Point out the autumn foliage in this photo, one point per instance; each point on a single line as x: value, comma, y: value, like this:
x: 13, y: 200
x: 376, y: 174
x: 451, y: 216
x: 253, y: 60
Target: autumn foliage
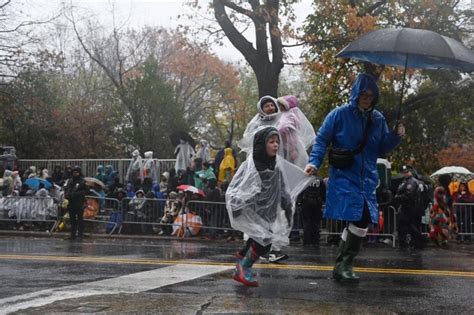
x: 458, y: 155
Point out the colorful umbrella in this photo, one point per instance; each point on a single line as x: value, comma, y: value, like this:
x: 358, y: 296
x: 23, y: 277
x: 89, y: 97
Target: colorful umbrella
x: 192, y: 189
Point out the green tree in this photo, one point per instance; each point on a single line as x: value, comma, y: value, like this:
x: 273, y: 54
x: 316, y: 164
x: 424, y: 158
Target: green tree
x: 152, y: 110
x: 43, y: 111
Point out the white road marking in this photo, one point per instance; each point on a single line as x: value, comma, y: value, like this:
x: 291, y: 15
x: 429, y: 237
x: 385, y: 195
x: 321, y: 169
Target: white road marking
x: 132, y: 283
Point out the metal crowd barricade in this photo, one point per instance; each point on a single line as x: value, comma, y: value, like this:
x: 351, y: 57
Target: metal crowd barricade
x: 426, y: 221
x: 89, y: 166
x: 464, y: 214
x: 106, y: 208
x: 330, y: 227
x: 29, y: 209
x: 213, y: 215
x: 389, y: 228
x: 143, y: 215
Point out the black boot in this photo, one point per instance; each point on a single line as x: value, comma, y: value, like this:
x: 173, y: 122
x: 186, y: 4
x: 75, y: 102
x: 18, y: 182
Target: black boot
x: 347, y: 251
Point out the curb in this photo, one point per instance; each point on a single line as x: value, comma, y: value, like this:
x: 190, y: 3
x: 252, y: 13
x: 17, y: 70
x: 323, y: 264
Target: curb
x: 91, y: 236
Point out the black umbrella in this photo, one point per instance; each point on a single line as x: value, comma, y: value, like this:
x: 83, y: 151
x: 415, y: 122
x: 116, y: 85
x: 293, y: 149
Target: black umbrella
x: 176, y: 136
x: 410, y: 48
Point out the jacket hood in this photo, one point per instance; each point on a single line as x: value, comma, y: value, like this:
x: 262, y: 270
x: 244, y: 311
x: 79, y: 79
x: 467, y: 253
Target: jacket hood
x: 289, y: 101
x: 281, y: 101
x: 362, y: 83
x: 292, y: 101
x: 260, y: 157
x: 262, y: 101
x: 136, y: 153
x: 109, y: 169
x: 77, y: 169
x: 139, y: 191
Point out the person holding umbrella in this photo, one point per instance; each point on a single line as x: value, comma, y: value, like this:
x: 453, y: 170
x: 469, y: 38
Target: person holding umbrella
x: 358, y: 135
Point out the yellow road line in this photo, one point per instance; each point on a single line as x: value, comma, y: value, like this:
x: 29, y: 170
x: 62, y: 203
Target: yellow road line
x: 149, y: 261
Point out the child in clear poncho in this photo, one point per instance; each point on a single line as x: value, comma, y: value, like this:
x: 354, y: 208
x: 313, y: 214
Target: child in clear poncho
x: 268, y: 115
x: 260, y: 199
x: 297, y: 133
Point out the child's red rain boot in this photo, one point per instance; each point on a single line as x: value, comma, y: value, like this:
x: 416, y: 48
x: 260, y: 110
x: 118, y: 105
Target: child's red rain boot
x: 239, y: 256
x: 243, y: 269
x: 244, y: 276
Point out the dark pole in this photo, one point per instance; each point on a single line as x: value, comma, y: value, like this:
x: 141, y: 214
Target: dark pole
x: 401, y: 94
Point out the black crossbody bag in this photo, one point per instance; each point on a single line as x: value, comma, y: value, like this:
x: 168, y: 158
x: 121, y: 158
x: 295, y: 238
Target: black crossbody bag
x: 344, y: 158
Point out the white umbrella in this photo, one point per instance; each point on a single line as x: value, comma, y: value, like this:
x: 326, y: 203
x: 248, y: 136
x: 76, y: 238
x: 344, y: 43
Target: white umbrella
x: 457, y: 173
x: 91, y: 181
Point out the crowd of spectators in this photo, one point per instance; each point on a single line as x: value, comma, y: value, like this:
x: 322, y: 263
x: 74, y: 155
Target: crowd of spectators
x: 157, y: 206
x: 154, y: 203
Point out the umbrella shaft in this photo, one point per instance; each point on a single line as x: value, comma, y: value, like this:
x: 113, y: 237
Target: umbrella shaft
x: 401, y: 93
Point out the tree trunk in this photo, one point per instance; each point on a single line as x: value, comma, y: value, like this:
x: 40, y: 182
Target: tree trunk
x: 265, y: 18
x: 267, y: 79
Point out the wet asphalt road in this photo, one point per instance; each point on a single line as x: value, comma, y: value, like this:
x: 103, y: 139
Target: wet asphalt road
x: 392, y: 281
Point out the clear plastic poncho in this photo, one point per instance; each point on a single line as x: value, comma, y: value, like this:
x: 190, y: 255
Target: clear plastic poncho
x: 184, y: 153
x: 149, y: 167
x: 258, y: 121
x: 259, y: 199
x: 135, y: 169
x: 204, y: 153
x: 297, y: 135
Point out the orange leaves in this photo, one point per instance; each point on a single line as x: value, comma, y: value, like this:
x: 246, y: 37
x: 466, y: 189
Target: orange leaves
x: 457, y: 154
x: 192, y: 62
x: 357, y: 25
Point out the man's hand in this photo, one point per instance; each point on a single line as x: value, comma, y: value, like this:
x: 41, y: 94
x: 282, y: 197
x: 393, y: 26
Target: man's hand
x: 310, y: 170
x: 400, y: 130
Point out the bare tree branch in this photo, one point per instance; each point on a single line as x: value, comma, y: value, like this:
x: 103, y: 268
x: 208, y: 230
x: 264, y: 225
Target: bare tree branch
x: 236, y: 38
x: 236, y: 8
x: 5, y: 4
x: 91, y: 55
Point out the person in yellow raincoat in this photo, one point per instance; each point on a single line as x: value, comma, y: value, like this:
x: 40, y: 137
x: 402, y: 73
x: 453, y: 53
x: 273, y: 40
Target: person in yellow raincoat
x: 227, y: 166
x: 470, y: 186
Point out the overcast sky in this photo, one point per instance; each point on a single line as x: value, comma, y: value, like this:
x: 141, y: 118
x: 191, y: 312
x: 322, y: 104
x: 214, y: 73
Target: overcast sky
x: 164, y: 13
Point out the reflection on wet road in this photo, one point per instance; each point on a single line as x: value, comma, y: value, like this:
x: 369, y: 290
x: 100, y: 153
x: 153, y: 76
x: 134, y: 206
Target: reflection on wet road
x: 40, y: 275
x: 85, y: 259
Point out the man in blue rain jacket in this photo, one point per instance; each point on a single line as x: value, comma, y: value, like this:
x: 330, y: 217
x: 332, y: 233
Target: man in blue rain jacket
x: 351, y: 190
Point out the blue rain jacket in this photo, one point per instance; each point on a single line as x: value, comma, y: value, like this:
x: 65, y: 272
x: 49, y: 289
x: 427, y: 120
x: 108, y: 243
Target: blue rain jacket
x: 343, y: 127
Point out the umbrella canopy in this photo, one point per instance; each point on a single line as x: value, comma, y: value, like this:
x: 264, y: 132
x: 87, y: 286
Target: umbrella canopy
x: 91, y: 181
x: 192, y: 189
x: 457, y: 173
x: 34, y: 183
x: 181, y: 135
x: 412, y: 48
